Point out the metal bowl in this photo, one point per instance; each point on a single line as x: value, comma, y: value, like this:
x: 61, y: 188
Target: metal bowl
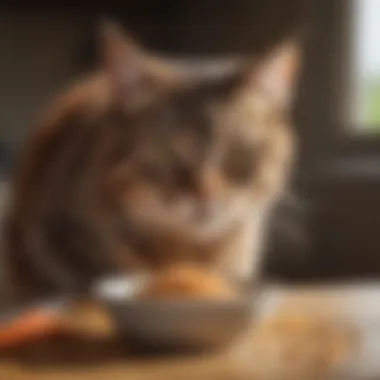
x: 172, y: 324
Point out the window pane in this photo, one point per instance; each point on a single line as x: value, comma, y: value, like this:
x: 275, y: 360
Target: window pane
x: 365, y: 76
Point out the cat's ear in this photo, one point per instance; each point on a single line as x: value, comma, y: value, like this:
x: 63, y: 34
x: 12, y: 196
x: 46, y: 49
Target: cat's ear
x: 277, y: 73
x: 121, y: 57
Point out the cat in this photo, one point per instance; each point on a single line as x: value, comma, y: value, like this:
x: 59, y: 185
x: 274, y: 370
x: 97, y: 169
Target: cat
x: 150, y: 160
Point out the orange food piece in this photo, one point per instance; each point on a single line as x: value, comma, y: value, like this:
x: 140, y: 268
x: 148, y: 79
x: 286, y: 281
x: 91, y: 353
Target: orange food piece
x: 187, y: 281
x: 29, y: 327
x: 90, y: 318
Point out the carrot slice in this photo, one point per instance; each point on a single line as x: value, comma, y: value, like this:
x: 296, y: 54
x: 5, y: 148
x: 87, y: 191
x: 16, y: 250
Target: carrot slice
x: 29, y: 327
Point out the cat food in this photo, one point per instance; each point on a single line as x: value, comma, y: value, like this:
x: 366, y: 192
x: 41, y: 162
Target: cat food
x: 186, y: 281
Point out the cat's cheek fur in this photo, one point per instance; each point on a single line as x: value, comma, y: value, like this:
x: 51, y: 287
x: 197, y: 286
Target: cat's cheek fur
x: 241, y: 257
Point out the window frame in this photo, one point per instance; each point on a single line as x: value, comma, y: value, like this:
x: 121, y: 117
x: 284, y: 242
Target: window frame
x: 338, y: 172
x: 327, y: 145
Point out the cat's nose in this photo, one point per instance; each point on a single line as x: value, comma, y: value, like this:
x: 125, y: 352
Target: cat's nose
x: 207, y: 210
x: 208, y: 186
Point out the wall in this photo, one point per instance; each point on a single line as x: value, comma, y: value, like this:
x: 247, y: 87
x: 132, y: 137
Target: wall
x: 38, y: 57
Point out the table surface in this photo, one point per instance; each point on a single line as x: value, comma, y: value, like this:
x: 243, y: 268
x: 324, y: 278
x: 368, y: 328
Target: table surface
x: 79, y: 359
x: 317, y: 349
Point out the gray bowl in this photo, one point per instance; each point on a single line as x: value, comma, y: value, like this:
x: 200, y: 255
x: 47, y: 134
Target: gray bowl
x: 169, y: 324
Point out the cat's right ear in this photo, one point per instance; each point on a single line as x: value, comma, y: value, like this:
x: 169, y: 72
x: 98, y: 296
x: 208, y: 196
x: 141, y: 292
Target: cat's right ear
x: 121, y: 57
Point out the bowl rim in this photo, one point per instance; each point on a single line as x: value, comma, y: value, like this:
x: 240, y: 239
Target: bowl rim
x: 113, y: 291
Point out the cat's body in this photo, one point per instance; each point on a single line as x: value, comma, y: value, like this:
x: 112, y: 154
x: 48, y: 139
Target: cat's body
x: 151, y: 161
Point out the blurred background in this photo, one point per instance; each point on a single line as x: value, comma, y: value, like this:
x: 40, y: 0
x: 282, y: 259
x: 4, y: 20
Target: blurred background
x: 328, y: 228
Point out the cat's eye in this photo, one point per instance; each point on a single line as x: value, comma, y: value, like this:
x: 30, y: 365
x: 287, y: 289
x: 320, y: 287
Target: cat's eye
x: 239, y: 163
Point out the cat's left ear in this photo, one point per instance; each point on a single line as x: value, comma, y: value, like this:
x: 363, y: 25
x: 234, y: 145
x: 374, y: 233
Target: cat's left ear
x: 278, y: 72
x: 121, y: 57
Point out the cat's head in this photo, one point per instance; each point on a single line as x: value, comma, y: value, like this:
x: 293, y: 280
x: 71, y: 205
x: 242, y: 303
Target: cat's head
x: 211, y: 139
x: 199, y: 143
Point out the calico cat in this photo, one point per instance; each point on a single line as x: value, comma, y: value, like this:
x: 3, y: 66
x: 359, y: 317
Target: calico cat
x: 152, y: 160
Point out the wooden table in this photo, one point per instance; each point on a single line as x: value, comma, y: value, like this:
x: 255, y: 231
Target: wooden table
x: 301, y: 334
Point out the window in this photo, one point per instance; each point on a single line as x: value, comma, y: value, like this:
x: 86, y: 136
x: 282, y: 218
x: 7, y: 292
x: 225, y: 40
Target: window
x: 339, y: 103
x: 365, y: 63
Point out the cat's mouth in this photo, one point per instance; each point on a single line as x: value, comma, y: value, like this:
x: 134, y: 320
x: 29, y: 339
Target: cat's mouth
x: 204, y: 213
x: 199, y: 220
